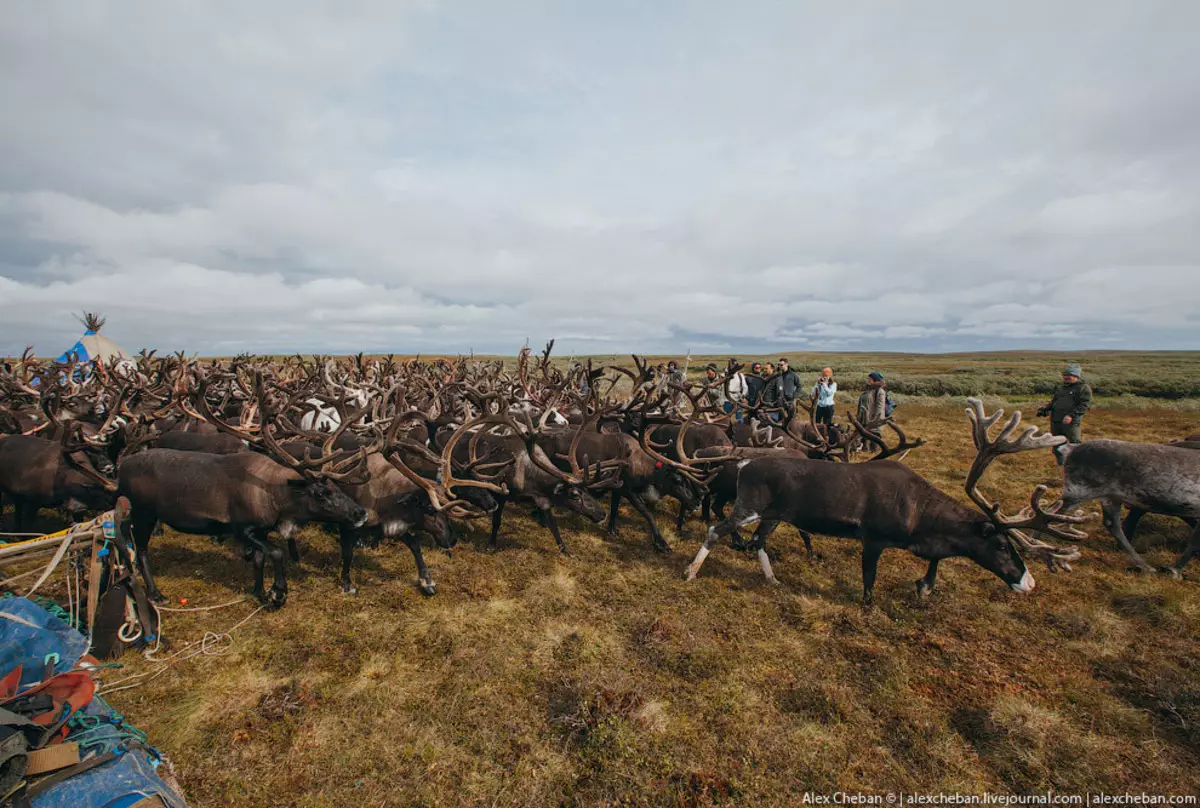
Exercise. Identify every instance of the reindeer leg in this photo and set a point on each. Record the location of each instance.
(804, 534)
(738, 518)
(870, 564)
(925, 585)
(347, 539)
(497, 517)
(293, 549)
(659, 543)
(614, 510)
(552, 523)
(735, 541)
(1193, 548)
(265, 549)
(680, 519)
(256, 553)
(1112, 521)
(140, 527)
(18, 514)
(1130, 525)
(765, 528)
(278, 593)
(424, 579)
(706, 508)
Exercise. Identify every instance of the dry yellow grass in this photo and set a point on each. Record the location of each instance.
(605, 679)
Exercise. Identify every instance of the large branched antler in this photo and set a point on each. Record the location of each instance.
(700, 471)
(1034, 517)
(885, 451)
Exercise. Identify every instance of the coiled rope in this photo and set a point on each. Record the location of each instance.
(213, 643)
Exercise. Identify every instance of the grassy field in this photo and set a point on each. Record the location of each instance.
(603, 679)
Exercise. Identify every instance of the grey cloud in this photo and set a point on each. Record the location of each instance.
(445, 176)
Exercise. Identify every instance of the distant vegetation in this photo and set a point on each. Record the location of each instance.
(1162, 375)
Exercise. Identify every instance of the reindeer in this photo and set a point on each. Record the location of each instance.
(530, 474)
(1145, 477)
(886, 504)
(246, 494)
(399, 500)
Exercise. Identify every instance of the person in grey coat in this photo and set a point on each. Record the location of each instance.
(872, 404)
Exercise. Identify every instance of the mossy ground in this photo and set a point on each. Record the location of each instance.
(603, 678)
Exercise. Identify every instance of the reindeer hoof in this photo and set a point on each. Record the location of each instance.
(349, 589)
(1174, 573)
(1141, 569)
(690, 573)
(662, 547)
(428, 588)
(923, 590)
(157, 597)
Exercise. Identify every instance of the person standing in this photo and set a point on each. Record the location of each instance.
(754, 384)
(1070, 403)
(823, 393)
(674, 374)
(714, 390)
(770, 392)
(872, 404)
(735, 389)
(787, 387)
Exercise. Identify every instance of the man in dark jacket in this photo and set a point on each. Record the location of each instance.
(1070, 403)
(784, 388)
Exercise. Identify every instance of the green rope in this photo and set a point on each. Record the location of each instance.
(107, 732)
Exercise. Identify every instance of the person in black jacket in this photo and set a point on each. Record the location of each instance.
(754, 384)
(784, 388)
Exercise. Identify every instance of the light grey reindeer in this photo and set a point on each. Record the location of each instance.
(1146, 478)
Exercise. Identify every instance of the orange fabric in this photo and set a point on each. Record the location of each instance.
(10, 683)
(75, 688)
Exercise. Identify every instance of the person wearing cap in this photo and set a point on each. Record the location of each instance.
(1070, 403)
(872, 404)
(823, 393)
(715, 392)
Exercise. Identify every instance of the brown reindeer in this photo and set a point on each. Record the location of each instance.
(886, 504)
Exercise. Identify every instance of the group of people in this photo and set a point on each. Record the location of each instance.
(776, 387)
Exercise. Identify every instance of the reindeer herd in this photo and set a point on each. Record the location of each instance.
(255, 448)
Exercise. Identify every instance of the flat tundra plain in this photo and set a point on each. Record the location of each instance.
(605, 679)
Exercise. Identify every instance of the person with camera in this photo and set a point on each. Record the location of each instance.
(1070, 403)
(823, 393)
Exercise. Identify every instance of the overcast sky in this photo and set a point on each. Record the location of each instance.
(652, 176)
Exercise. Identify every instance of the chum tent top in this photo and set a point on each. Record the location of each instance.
(93, 345)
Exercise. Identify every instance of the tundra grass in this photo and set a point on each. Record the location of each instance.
(603, 679)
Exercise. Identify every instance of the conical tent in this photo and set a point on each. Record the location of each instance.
(93, 345)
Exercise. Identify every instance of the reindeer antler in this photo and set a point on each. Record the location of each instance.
(1035, 516)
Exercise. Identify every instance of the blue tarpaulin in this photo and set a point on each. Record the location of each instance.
(28, 634)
